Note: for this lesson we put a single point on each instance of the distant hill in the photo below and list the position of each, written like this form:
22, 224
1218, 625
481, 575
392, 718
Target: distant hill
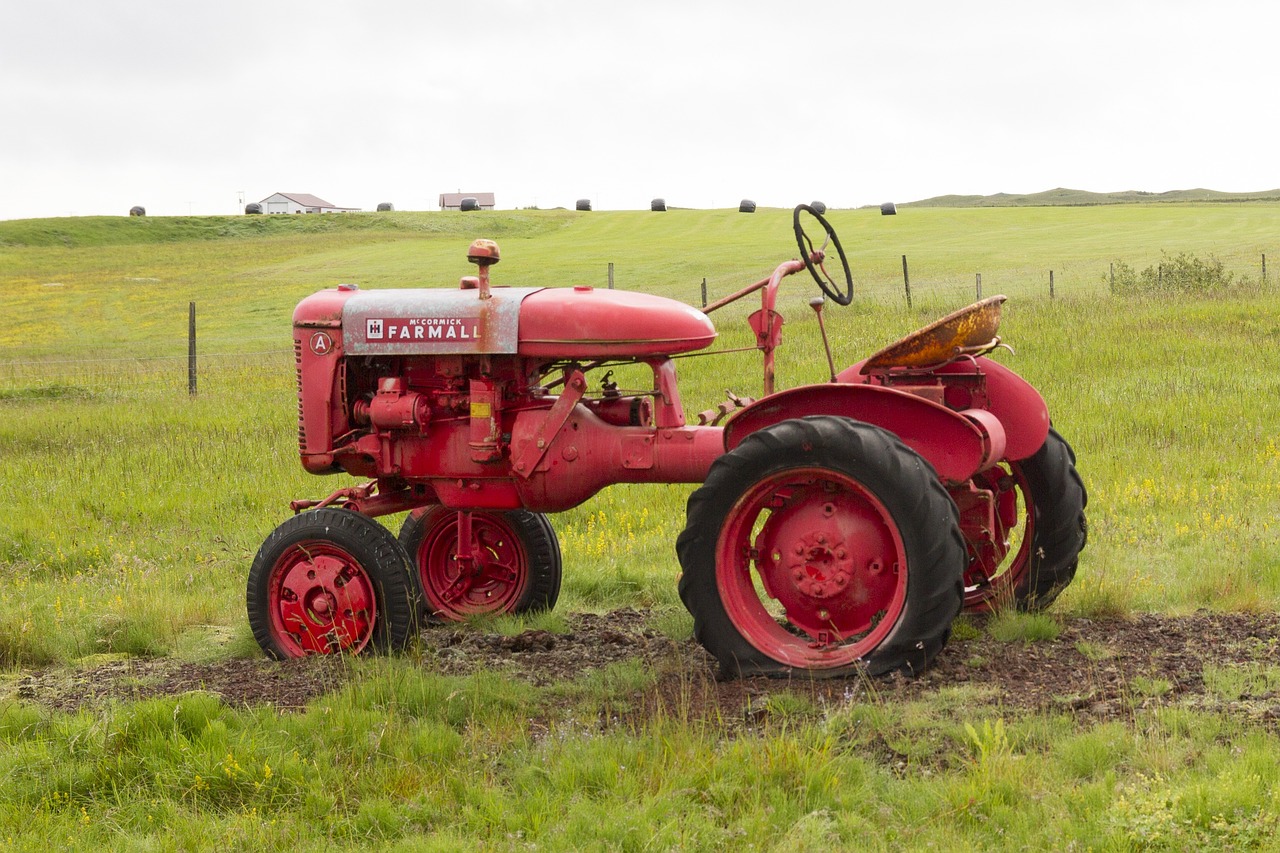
1068, 198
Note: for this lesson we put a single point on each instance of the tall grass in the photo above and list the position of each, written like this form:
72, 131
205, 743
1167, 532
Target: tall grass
410, 760
134, 511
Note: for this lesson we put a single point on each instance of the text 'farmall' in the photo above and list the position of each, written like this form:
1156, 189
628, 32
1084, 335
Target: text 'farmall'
421, 329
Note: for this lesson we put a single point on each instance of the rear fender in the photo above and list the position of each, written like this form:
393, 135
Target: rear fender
1013, 400
956, 445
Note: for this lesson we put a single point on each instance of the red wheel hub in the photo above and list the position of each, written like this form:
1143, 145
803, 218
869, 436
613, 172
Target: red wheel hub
493, 580
321, 600
828, 558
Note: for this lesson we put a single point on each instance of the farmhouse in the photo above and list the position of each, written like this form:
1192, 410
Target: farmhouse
299, 203
453, 201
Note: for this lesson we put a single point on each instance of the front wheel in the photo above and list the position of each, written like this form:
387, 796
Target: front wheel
330, 581
515, 564
821, 545
1040, 507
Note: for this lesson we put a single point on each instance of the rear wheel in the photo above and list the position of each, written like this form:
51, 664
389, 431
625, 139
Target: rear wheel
1040, 504
822, 545
515, 567
330, 581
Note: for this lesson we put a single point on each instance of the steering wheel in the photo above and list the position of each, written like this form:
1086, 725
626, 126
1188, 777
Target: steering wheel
824, 280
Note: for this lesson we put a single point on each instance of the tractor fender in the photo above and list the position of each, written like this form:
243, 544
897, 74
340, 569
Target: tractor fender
957, 444
1013, 400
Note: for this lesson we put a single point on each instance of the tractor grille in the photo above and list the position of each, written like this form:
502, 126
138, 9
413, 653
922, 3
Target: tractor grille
297, 369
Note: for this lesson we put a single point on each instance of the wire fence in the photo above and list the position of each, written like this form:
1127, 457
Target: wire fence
909, 278
922, 281
85, 375
175, 365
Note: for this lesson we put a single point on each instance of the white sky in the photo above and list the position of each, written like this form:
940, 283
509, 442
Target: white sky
188, 107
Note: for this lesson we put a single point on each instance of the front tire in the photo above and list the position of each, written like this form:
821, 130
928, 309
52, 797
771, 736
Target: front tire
330, 581
1049, 524
825, 546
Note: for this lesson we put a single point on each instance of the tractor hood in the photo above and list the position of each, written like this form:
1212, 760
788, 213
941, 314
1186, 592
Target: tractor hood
578, 322
582, 322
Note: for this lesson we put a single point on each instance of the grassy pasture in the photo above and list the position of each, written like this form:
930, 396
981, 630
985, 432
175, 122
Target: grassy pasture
134, 511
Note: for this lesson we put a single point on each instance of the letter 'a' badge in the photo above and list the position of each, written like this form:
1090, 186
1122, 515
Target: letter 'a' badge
321, 343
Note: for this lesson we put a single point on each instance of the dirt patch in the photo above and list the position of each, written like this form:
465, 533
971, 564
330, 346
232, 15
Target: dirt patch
1100, 669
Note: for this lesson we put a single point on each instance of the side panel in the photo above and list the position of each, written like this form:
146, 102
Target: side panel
432, 322
955, 446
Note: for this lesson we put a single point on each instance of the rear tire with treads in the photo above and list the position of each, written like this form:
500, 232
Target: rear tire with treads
821, 546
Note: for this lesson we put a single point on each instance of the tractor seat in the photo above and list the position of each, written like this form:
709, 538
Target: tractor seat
969, 331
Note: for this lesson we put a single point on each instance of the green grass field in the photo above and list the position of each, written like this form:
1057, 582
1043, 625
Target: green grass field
134, 511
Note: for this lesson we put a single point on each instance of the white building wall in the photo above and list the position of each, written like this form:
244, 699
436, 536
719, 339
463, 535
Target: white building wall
282, 204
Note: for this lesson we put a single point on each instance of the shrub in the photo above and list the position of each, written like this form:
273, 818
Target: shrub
1182, 274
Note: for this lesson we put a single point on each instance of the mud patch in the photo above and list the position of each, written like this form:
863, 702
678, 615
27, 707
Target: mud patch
1097, 669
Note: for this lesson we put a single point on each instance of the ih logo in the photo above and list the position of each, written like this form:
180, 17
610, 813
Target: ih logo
374, 330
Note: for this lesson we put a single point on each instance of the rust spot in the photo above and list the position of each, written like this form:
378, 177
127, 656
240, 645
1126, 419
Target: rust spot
941, 341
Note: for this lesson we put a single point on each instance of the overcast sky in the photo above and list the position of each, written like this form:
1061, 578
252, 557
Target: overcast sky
197, 107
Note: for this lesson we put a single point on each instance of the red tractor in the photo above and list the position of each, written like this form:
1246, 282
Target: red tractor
839, 527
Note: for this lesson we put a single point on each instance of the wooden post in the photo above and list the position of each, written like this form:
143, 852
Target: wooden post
191, 349
979, 285
1050, 284
611, 275
906, 281
704, 292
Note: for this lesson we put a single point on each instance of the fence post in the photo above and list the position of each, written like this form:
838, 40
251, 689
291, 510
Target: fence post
1050, 284
906, 281
611, 275
191, 349
979, 285
704, 292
